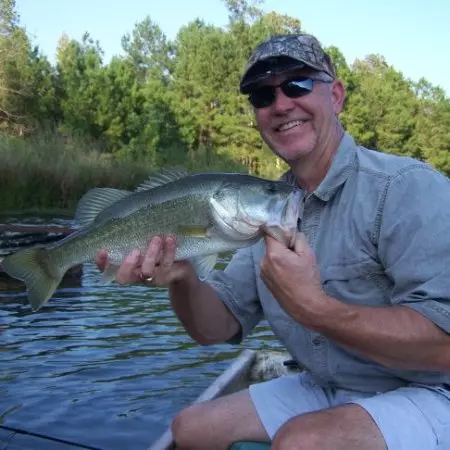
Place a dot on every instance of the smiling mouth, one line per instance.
(290, 125)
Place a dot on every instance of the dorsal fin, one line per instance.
(95, 201)
(160, 178)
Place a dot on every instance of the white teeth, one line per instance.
(289, 125)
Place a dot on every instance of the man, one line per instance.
(362, 301)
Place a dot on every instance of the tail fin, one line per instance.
(33, 268)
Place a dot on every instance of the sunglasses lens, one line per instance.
(262, 97)
(297, 88)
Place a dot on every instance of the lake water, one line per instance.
(106, 366)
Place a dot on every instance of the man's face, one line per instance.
(294, 127)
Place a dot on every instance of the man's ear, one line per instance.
(337, 96)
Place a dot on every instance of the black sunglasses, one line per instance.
(264, 96)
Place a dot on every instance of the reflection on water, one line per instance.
(106, 366)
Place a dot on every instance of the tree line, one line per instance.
(170, 102)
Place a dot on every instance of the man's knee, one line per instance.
(184, 427)
(217, 423)
(291, 437)
(341, 427)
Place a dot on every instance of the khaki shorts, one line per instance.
(410, 418)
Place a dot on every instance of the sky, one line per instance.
(413, 35)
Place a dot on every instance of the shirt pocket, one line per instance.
(360, 282)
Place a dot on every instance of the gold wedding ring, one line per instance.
(147, 279)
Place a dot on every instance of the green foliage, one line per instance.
(79, 72)
(380, 111)
(84, 121)
(243, 10)
(14, 52)
(48, 170)
(148, 50)
(432, 131)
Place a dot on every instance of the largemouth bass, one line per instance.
(207, 213)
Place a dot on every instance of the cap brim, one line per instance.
(262, 70)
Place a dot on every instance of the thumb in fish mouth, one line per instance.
(285, 235)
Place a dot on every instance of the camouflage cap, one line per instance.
(284, 52)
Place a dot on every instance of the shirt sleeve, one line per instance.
(236, 286)
(414, 241)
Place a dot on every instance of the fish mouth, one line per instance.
(282, 224)
(279, 222)
(292, 209)
(251, 231)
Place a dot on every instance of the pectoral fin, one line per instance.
(204, 265)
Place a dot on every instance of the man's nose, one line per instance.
(282, 102)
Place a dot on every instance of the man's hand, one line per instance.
(156, 267)
(293, 277)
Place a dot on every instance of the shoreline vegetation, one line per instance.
(81, 121)
(48, 173)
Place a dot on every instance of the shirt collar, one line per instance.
(342, 166)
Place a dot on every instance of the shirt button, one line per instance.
(318, 340)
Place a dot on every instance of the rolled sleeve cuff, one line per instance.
(246, 318)
(437, 312)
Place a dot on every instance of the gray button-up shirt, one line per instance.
(380, 228)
